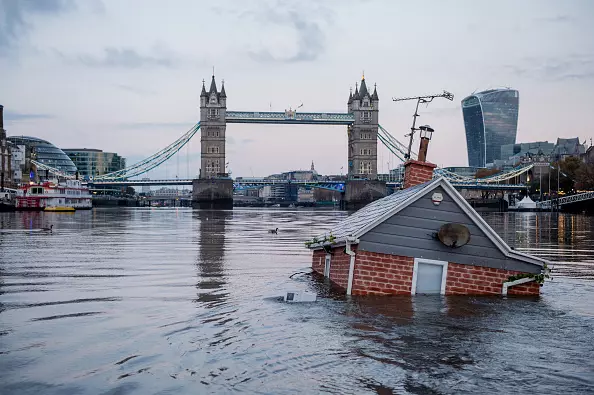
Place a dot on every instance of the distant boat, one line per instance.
(6, 202)
(54, 196)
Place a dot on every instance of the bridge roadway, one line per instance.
(260, 182)
(290, 117)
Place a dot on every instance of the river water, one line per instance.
(176, 301)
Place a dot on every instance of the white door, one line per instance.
(429, 277)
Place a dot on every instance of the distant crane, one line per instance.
(420, 99)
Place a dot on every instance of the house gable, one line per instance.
(411, 232)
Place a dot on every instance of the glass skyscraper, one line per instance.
(94, 162)
(490, 120)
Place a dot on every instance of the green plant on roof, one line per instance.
(331, 239)
(538, 278)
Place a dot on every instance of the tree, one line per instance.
(573, 174)
(585, 177)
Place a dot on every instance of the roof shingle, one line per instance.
(359, 220)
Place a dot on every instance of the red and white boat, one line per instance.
(53, 196)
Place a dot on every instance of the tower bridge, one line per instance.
(361, 120)
(214, 186)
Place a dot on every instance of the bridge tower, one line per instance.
(362, 134)
(362, 186)
(213, 188)
(213, 106)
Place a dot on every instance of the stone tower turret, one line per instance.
(213, 106)
(362, 134)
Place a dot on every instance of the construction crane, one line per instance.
(425, 100)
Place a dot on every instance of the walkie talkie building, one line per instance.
(490, 120)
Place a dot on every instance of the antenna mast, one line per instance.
(420, 99)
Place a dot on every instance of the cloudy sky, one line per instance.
(125, 75)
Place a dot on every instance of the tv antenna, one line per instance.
(425, 100)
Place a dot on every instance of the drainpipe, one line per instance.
(517, 282)
(351, 266)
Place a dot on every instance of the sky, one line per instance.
(125, 76)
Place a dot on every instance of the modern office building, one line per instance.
(43, 152)
(463, 171)
(490, 120)
(94, 162)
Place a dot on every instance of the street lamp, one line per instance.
(426, 132)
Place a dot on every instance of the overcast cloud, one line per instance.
(125, 76)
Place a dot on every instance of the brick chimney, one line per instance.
(419, 171)
(416, 172)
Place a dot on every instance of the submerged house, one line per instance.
(424, 238)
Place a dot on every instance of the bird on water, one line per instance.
(275, 231)
(50, 229)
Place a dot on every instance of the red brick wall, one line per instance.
(479, 280)
(416, 172)
(339, 265)
(317, 262)
(382, 274)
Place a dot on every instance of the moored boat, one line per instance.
(6, 201)
(54, 196)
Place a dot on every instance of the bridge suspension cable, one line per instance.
(52, 170)
(152, 161)
(499, 177)
(393, 144)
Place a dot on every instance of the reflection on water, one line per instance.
(138, 301)
(211, 240)
(564, 238)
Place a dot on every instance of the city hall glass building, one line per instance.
(44, 152)
(490, 120)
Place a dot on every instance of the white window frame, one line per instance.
(213, 113)
(444, 274)
(327, 261)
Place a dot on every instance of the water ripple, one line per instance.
(136, 301)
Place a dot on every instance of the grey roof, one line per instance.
(350, 96)
(356, 95)
(374, 96)
(353, 224)
(213, 86)
(223, 94)
(570, 146)
(363, 90)
(203, 93)
(364, 220)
